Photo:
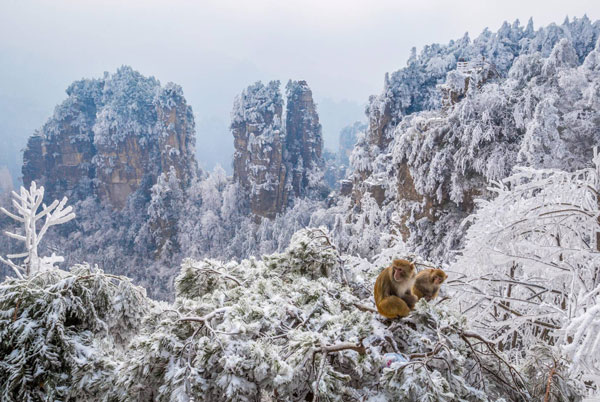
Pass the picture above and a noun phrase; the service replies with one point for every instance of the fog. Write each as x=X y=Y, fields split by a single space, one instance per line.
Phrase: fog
x=215 y=49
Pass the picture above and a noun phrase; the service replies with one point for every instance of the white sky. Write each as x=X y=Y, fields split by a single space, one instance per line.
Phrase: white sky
x=213 y=49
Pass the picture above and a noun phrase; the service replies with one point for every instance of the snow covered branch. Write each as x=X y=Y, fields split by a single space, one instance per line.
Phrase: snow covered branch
x=531 y=263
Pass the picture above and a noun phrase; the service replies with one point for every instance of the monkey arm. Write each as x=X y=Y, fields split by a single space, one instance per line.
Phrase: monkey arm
x=410 y=299
x=434 y=294
x=392 y=307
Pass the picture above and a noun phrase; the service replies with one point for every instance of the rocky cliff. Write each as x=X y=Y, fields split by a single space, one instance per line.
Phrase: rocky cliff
x=109 y=136
x=462 y=114
x=273 y=160
x=304 y=142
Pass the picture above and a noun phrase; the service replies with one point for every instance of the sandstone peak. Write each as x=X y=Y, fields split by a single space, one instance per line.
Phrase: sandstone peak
x=110 y=135
x=275 y=154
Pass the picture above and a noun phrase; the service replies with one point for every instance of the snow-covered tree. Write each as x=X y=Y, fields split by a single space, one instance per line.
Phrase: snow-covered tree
x=63 y=333
x=530 y=270
x=518 y=97
x=28 y=204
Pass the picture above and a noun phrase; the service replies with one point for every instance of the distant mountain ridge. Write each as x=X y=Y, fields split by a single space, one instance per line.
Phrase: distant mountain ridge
x=425 y=162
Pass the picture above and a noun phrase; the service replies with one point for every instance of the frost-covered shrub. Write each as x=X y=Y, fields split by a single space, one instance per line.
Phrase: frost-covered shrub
x=30 y=210
x=61 y=333
x=448 y=361
x=262 y=311
x=290 y=326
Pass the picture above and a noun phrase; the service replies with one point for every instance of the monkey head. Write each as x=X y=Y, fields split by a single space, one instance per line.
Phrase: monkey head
x=438 y=276
x=402 y=270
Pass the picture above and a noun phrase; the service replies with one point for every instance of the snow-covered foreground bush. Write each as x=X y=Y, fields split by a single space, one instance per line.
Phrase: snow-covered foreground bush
x=530 y=271
x=299 y=325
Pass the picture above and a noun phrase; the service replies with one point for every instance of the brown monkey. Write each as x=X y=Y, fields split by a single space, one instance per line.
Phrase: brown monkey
x=428 y=282
x=393 y=296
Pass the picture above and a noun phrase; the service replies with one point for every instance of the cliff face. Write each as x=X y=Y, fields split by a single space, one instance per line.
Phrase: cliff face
x=272 y=162
x=304 y=143
x=109 y=135
x=258 y=140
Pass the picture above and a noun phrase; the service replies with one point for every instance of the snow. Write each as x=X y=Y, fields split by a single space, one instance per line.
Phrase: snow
x=507 y=163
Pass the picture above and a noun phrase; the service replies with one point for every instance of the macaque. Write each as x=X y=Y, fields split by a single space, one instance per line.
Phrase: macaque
x=393 y=296
x=428 y=282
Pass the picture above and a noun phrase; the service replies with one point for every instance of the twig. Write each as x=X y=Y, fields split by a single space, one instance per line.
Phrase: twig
x=425 y=265
x=359 y=348
x=491 y=348
x=224 y=275
x=435 y=350
x=363 y=307
x=15 y=267
x=549 y=384
x=16 y=310
x=204 y=320
x=207 y=316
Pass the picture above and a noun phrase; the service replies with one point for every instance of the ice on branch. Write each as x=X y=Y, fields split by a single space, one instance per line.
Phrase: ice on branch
x=530 y=271
x=28 y=204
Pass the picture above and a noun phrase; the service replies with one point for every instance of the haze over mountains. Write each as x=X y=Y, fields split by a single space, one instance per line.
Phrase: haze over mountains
x=121 y=147
x=214 y=50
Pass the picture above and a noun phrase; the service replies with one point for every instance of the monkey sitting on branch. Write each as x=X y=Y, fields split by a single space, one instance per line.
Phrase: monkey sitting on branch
x=427 y=283
x=393 y=295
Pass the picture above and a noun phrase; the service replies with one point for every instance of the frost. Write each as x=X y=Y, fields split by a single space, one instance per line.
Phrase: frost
x=529 y=270
x=28 y=203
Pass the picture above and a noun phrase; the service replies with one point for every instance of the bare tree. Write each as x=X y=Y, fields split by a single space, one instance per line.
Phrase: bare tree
x=27 y=204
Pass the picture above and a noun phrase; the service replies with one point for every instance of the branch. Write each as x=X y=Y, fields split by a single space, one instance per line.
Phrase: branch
x=21 y=255
x=326 y=349
x=515 y=282
x=435 y=350
x=15 y=267
x=46 y=209
x=206 y=317
x=359 y=348
x=224 y=275
x=19 y=197
x=11 y=215
x=365 y=308
x=15 y=236
x=425 y=265
x=492 y=349
x=536 y=322
x=549 y=384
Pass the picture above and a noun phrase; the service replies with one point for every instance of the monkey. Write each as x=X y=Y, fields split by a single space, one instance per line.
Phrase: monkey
x=393 y=296
x=427 y=283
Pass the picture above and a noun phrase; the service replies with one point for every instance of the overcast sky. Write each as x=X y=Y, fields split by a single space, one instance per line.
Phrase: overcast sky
x=213 y=49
